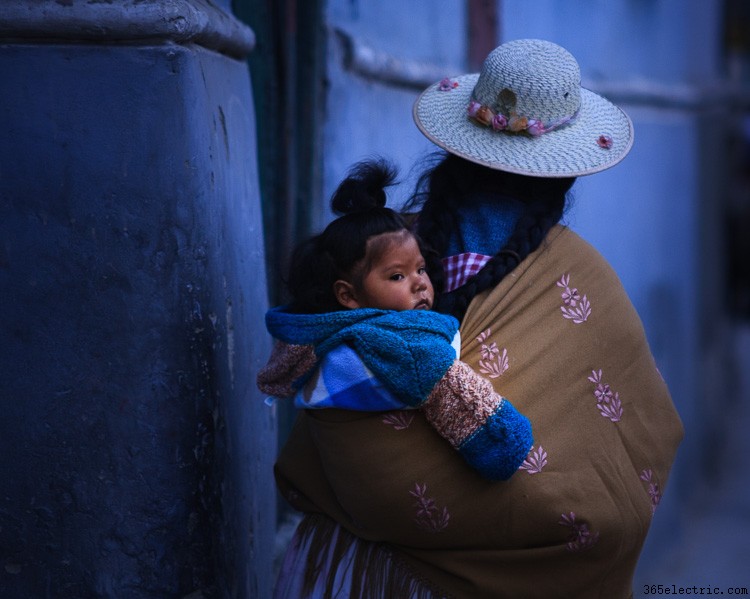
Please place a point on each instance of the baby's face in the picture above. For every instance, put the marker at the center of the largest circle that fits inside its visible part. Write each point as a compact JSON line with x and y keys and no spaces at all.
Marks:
{"x":398,"y":280}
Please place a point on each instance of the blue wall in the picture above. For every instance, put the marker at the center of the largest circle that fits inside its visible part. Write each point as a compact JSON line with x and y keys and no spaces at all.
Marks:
{"x":367,"y":115}
{"x":135,"y":453}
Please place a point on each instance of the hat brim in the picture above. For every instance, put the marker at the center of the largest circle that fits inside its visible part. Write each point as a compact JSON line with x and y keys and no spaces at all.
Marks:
{"x":570,"y":151}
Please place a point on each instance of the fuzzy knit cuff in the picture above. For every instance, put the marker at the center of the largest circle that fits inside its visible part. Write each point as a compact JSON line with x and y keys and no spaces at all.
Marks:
{"x":486,"y":429}
{"x":287,"y":365}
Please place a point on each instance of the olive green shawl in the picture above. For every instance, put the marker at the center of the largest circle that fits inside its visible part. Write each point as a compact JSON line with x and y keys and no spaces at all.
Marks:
{"x":560,"y":338}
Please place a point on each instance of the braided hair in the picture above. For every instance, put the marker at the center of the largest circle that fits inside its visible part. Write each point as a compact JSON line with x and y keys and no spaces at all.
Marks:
{"x":443,"y":188}
{"x":341,"y":251}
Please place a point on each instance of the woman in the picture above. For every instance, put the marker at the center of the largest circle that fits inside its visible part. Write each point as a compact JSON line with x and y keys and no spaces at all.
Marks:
{"x":390,"y":510}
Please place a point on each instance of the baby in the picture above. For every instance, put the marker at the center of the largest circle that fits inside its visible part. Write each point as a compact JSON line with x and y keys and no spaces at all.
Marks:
{"x":359,"y":333}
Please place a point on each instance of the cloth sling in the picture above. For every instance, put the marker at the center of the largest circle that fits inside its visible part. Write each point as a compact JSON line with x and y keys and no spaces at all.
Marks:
{"x":408,"y":350}
{"x":559,"y":336}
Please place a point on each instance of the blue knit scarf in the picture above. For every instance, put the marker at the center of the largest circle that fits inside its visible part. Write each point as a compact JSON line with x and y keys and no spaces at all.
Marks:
{"x":485,"y":223}
{"x":409,"y":351}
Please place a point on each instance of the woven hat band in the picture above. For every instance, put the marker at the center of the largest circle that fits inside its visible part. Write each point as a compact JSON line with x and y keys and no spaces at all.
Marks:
{"x":537,"y":81}
{"x":513,"y":122}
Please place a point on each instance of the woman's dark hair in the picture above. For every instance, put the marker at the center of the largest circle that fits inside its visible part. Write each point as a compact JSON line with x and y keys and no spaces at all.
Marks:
{"x":442,"y":189}
{"x":339,"y":252}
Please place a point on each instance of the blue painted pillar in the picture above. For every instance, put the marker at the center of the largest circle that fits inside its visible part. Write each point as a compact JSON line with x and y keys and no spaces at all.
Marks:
{"x":135,"y":452}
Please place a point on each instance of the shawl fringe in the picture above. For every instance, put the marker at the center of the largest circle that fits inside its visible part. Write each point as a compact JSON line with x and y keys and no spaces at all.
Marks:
{"x":376,"y":570}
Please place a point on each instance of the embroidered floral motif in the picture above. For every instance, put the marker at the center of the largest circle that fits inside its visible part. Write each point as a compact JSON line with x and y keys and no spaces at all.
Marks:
{"x":607,"y":402}
{"x":581,"y":538}
{"x":446,"y":84}
{"x":653,"y":488}
{"x":575,"y":307}
{"x":429,"y":516}
{"x":493,"y":362}
{"x":535,"y":461}
{"x":399,"y":420}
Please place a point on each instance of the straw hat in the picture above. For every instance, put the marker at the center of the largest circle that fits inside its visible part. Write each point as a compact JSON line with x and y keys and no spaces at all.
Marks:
{"x":526,"y":113}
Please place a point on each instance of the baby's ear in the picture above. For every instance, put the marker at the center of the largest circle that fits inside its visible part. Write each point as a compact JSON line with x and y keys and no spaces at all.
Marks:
{"x":344,"y":292}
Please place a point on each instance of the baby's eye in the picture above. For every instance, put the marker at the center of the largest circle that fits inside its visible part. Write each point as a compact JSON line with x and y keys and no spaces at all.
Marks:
{"x":422,"y":270}
{"x":396,"y":277}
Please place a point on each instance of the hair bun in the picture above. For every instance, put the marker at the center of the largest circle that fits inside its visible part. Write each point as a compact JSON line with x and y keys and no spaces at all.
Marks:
{"x":364,"y":187}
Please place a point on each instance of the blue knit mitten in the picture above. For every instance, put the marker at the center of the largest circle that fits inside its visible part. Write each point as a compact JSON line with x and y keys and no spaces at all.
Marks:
{"x":486,"y":429}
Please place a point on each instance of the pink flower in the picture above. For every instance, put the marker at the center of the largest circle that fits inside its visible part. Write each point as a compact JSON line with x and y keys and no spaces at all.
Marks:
{"x":571,"y":296}
{"x":399,"y":420}
{"x":654,"y":492}
{"x":447,"y":84}
{"x":483,"y":335}
{"x":603,"y":392}
{"x":535,"y":127}
{"x":429,"y":517}
{"x":580,"y":538}
{"x":499,"y":122}
{"x":473,"y":108}
{"x":535,"y":461}
{"x":489,"y":350}
{"x":604,"y":141}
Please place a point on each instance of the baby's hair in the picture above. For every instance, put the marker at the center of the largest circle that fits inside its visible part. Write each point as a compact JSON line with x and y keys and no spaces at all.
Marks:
{"x":341,"y":250}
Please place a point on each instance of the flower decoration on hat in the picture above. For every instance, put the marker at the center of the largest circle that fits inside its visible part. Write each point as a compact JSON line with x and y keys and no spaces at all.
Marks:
{"x":446,"y":84}
{"x":513,"y":123}
{"x":507,"y":118}
{"x":604,"y":141}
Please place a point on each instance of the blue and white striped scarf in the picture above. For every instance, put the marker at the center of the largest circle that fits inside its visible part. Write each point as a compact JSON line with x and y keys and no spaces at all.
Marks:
{"x":369,"y":359}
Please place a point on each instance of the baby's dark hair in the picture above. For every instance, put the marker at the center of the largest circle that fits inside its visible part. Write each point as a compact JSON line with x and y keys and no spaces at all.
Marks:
{"x":340,"y":251}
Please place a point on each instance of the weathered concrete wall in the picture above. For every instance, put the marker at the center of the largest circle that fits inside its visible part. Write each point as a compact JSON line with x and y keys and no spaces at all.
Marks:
{"x":135,"y":452}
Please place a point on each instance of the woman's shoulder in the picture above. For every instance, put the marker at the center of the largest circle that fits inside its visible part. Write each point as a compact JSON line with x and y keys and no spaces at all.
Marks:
{"x":565,"y":278}
{"x":569,"y":241}
{"x":565,"y":249}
